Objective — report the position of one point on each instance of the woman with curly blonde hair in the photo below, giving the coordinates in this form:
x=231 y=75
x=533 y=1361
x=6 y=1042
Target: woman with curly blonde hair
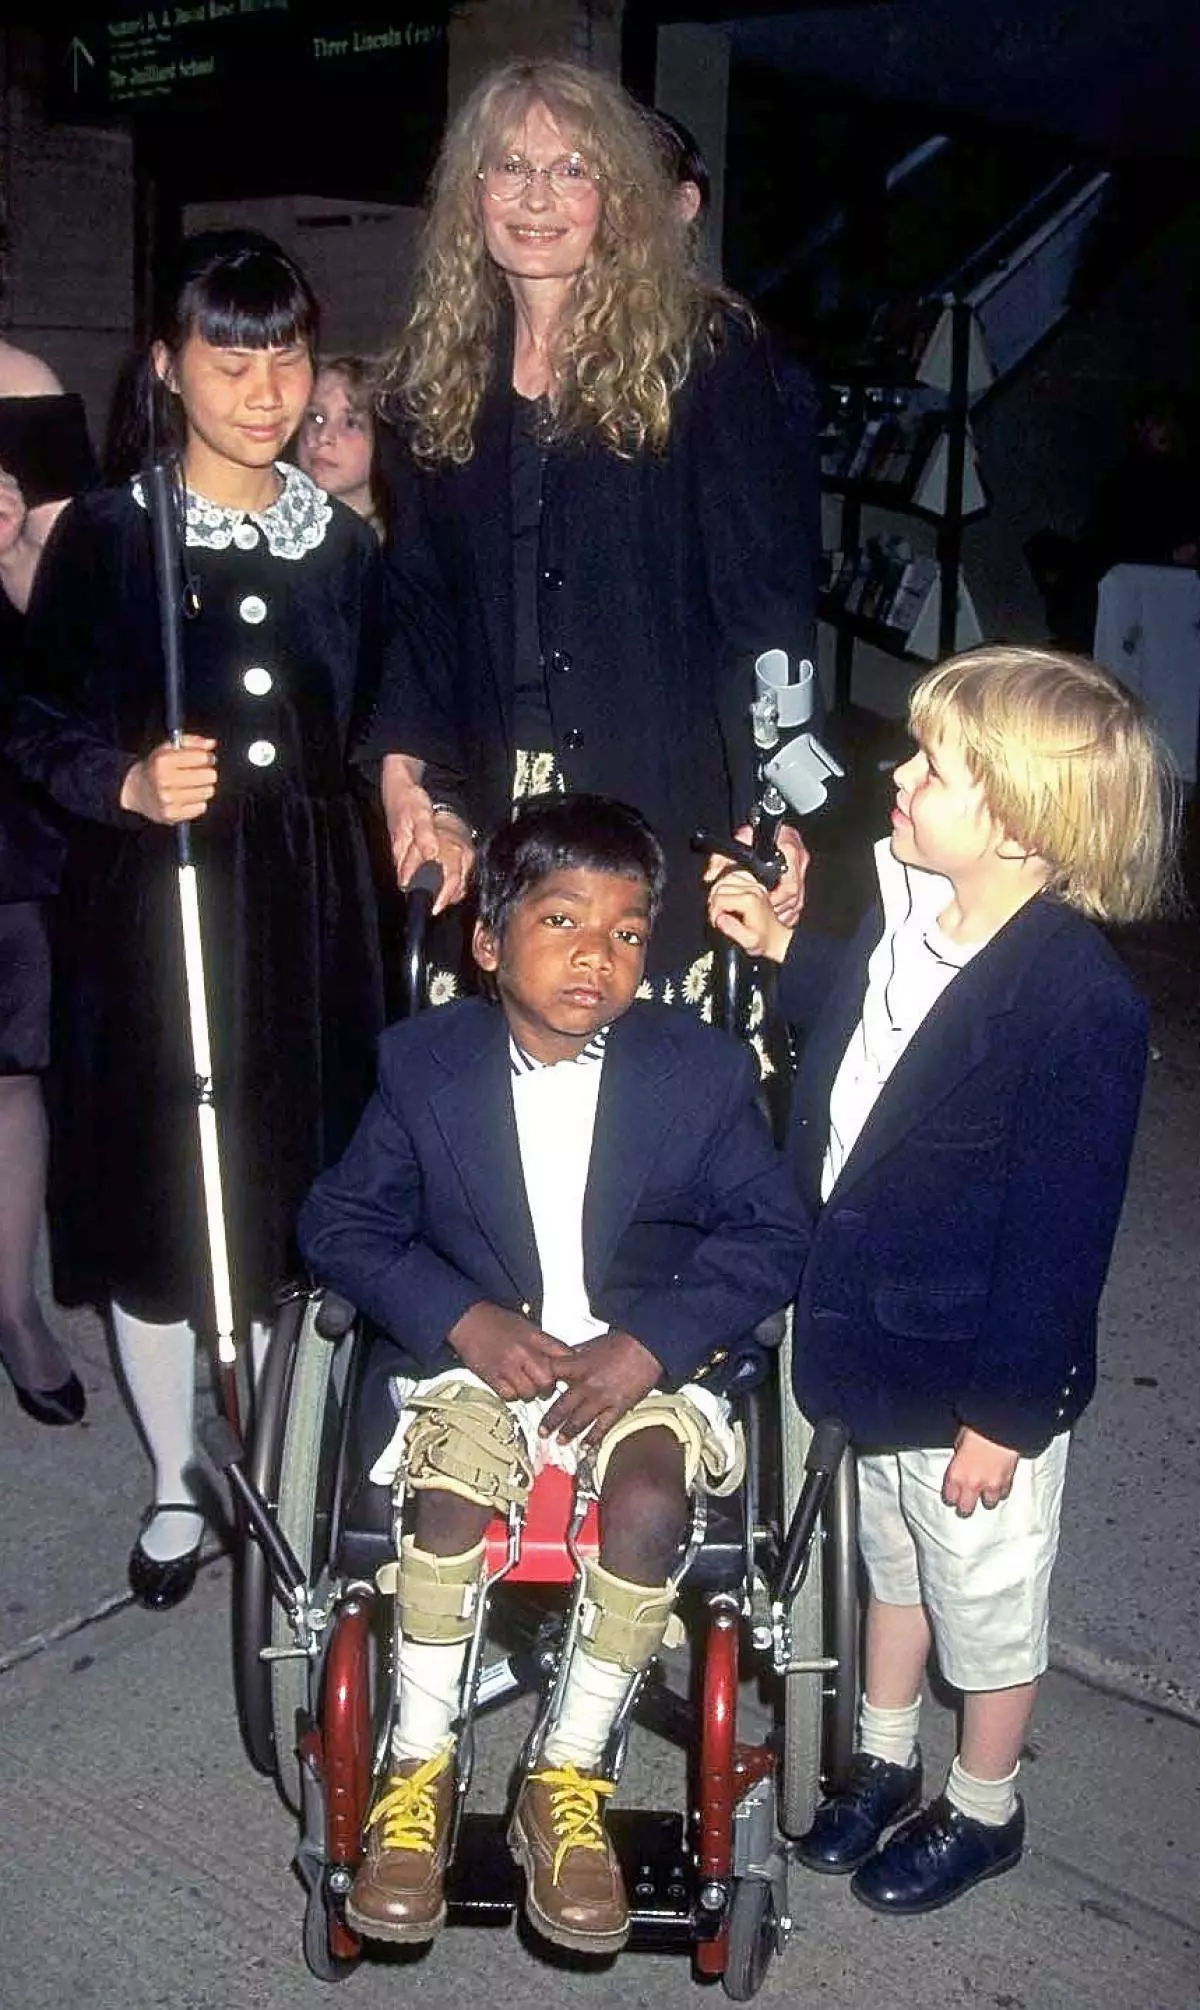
x=597 y=510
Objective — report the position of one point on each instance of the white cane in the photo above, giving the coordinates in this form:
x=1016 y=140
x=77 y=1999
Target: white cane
x=160 y=486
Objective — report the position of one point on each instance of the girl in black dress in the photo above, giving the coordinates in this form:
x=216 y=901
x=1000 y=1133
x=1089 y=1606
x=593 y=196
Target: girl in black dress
x=281 y=634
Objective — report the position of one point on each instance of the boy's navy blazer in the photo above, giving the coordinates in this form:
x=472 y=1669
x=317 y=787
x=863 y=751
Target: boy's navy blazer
x=692 y=1228
x=957 y=1265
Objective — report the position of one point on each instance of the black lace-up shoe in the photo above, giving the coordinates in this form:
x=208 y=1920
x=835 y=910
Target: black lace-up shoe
x=937 y=1856
x=849 y=1824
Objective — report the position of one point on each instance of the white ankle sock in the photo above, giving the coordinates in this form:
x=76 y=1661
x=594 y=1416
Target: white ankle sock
x=991 y=1801
x=593 y=1693
x=889 y=1734
x=159 y=1366
x=430 y=1681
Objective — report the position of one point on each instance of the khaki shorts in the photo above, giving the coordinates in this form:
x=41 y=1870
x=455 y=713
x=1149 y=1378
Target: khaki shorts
x=983 y=1578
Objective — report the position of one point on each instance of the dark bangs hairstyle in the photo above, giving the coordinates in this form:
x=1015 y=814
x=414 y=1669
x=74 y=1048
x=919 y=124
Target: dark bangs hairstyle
x=235 y=289
x=562 y=834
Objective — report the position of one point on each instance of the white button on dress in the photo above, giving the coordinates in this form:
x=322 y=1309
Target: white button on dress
x=257 y=680
x=253 y=609
x=261 y=753
x=245 y=535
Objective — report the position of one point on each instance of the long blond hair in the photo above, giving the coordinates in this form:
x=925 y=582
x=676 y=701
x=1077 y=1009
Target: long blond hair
x=639 y=311
x=1071 y=766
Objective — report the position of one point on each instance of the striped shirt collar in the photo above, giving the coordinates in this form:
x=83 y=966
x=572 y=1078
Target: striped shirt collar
x=525 y=1064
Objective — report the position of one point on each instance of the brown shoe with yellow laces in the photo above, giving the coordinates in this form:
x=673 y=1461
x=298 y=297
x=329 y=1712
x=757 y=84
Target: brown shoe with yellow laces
x=574 y=1892
x=399 y=1890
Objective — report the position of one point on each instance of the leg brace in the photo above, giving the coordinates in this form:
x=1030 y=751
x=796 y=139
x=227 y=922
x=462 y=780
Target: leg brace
x=435 y=1596
x=464 y=1440
x=714 y=1452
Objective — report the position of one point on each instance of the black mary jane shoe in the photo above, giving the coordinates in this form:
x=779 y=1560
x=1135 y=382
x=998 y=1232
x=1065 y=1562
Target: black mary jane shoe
x=65 y=1405
x=848 y=1825
x=160 y=1585
x=937 y=1856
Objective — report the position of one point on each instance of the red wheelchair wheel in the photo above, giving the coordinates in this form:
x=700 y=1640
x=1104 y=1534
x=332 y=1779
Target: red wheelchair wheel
x=717 y=1784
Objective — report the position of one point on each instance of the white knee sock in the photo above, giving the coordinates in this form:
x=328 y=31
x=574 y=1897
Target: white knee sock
x=889 y=1734
x=159 y=1366
x=593 y=1693
x=430 y=1680
x=990 y=1801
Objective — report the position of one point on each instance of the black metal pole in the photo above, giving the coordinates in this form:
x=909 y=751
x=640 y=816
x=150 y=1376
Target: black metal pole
x=950 y=536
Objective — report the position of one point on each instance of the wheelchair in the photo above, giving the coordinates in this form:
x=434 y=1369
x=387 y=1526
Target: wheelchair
x=768 y=1587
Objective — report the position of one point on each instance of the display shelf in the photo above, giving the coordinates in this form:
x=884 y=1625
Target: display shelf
x=899 y=442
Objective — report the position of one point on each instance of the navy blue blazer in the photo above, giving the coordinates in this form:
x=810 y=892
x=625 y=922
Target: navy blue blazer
x=958 y=1262
x=692 y=1228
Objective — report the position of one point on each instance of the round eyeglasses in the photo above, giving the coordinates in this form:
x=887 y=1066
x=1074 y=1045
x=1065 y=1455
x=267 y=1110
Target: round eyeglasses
x=567 y=178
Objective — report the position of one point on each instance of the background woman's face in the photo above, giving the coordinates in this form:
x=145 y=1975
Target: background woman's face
x=335 y=441
x=541 y=235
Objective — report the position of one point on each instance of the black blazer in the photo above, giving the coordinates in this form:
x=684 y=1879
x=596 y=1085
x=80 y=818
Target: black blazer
x=661 y=577
x=692 y=1230
x=958 y=1262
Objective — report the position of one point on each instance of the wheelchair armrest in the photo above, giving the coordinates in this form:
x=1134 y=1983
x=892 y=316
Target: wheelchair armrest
x=747 y=1368
x=334 y=1316
x=770 y=1331
x=748 y=1363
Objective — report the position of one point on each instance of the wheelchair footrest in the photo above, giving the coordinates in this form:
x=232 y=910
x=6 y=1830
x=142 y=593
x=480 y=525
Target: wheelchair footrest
x=483 y=1884
x=483 y=1887
x=659 y=1877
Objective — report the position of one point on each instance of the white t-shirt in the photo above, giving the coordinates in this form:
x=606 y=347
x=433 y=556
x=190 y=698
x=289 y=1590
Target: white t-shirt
x=555 y=1108
x=910 y=967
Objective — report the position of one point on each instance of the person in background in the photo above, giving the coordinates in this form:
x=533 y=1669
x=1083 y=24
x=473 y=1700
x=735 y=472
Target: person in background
x=1147 y=507
x=281 y=638
x=686 y=163
x=336 y=442
x=798 y=393
x=595 y=519
x=1146 y=511
x=45 y=456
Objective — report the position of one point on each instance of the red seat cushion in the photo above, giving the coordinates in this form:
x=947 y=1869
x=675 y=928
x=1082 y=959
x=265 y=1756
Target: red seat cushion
x=544 y=1557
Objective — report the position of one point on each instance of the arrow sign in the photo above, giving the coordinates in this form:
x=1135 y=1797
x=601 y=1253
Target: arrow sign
x=77 y=49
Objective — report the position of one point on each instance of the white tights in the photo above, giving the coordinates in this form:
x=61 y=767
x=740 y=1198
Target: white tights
x=158 y=1361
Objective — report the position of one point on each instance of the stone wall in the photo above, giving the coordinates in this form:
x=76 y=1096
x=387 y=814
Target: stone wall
x=68 y=207
x=486 y=32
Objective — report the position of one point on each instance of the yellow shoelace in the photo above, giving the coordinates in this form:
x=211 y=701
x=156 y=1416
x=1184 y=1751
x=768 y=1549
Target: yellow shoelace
x=407 y=1807
x=575 y=1810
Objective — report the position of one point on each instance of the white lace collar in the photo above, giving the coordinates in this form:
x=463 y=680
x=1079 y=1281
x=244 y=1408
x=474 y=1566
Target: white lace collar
x=295 y=523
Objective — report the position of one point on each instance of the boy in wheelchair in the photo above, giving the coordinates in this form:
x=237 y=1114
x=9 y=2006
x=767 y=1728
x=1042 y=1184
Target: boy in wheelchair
x=564 y=1207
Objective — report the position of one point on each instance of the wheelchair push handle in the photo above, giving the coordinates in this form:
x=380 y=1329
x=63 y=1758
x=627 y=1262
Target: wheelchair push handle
x=761 y=857
x=830 y=1439
x=226 y=1451
x=421 y=892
